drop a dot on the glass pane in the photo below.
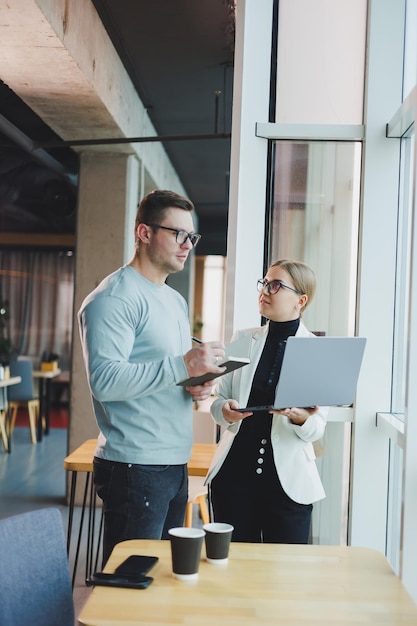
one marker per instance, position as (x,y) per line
(394,506)
(410,49)
(402,277)
(315,219)
(400,347)
(213,297)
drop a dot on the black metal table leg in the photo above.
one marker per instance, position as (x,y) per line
(71,509)
(41,408)
(77,552)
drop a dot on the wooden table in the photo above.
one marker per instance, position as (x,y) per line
(266,584)
(44,381)
(81,460)
(4,383)
(12,380)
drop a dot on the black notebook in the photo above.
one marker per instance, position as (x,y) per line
(236,356)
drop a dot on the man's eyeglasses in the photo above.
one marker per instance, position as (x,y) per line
(181,235)
(274,286)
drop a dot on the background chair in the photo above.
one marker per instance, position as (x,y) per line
(35,585)
(197,494)
(23,395)
(204,431)
(204,426)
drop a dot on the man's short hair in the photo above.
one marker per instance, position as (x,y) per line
(152,208)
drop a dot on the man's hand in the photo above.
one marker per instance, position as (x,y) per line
(201,392)
(204,358)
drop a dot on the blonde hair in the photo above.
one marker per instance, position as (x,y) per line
(302,276)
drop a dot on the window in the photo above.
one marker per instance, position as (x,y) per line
(314,218)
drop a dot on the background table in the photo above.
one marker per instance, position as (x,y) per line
(81,460)
(44,381)
(265,584)
(12,380)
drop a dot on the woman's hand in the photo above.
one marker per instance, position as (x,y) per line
(296,415)
(232,416)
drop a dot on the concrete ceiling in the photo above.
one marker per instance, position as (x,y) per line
(179,56)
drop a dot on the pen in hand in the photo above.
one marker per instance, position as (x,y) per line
(196,340)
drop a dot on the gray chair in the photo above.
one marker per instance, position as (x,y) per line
(35,584)
(23,395)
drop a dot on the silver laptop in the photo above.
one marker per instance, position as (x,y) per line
(320,371)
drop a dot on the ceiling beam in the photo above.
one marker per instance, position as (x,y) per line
(120,140)
(58,58)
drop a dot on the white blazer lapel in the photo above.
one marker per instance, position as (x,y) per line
(245,383)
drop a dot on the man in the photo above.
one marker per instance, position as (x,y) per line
(136,340)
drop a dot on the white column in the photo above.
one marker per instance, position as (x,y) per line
(245,248)
(377,262)
(409,508)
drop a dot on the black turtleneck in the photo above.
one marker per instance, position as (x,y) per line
(269,367)
(253,439)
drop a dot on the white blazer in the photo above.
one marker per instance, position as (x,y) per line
(292,445)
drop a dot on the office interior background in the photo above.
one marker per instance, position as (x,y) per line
(322,169)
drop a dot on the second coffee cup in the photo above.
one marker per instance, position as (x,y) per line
(218,537)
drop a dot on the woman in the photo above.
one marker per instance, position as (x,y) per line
(263,478)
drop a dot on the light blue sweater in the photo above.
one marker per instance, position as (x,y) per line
(134,333)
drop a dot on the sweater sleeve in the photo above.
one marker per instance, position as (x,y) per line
(108,337)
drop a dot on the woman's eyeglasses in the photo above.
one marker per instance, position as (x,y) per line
(181,235)
(274,286)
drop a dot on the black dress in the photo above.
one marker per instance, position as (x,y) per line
(247,492)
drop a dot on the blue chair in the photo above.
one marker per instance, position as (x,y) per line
(35,585)
(23,395)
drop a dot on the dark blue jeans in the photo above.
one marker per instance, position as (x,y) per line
(139,501)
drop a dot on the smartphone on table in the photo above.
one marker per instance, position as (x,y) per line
(131,573)
(136,564)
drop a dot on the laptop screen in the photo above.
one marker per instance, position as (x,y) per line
(321,371)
